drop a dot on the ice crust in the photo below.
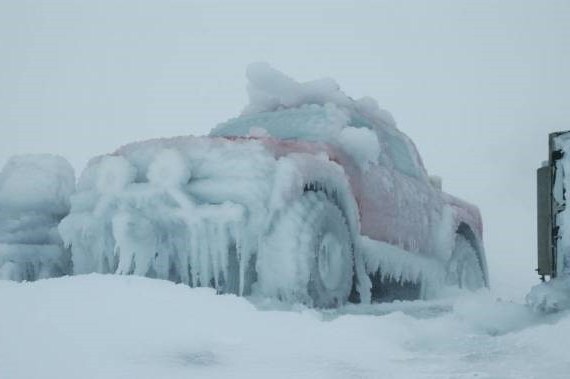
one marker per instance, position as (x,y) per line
(316,111)
(191,210)
(34,196)
(158,224)
(194,210)
(270,90)
(393,263)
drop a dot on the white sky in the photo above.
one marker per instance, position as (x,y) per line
(477,85)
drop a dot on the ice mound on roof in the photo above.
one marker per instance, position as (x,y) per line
(34,197)
(316,110)
(270,90)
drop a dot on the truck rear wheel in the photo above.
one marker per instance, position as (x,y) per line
(464,268)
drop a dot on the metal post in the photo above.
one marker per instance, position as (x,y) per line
(544,223)
(548,207)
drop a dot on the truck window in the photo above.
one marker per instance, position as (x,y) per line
(400,154)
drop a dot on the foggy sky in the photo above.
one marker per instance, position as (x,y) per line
(477,85)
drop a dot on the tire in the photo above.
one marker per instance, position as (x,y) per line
(308,254)
(464,268)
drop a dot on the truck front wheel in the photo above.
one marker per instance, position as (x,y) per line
(308,254)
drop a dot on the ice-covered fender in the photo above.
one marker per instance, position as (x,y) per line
(464,218)
(297,173)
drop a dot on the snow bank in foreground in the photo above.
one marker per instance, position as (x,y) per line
(34,197)
(129,327)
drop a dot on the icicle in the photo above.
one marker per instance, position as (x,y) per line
(194,254)
(213,251)
(223,250)
(204,255)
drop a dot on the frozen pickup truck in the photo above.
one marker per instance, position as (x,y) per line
(307,196)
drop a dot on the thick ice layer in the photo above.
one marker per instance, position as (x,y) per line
(186,209)
(200,210)
(194,210)
(309,122)
(38,183)
(297,173)
(33,261)
(270,90)
(313,111)
(34,196)
(551,296)
(393,263)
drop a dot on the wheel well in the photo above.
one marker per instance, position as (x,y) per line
(344,201)
(332,194)
(465,230)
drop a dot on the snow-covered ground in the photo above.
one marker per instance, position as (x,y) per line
(103,326)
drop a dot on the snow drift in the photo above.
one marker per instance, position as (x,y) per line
(104,326)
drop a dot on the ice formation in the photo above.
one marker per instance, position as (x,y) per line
(551,296)
(34,197)
(399,265)
(194,210)
(316,111)
(220,211)
(159,223)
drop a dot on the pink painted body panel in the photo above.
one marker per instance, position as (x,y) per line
(394,208)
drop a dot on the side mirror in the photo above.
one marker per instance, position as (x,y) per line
(435,182)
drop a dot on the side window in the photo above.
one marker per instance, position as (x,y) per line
(401,156)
